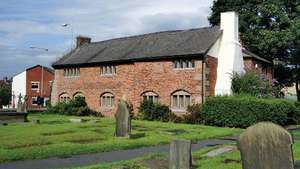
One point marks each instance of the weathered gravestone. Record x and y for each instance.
(266, 146)
(123, 121)
(24, 106)
(19, 104)
(180, 154)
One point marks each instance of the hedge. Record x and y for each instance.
(233, 111)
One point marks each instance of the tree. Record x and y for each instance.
(5, 93)
(270, 28)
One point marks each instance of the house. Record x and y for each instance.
(176, 68)
(35, 82)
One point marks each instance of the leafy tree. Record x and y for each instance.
(270, 28)
(5, 93)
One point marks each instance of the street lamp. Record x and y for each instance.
(34, 47)
(65, 25)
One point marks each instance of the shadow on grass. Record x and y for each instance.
(137, 135)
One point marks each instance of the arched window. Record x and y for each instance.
(150, 96)
(64, 97)
(180, 100)
(79, 94)
(107, 100)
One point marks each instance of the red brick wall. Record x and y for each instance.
(131, 80)
(262, 67)
(212, 64)
(35, 74)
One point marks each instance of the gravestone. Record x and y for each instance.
(19, 104)
(266, 146)
(180, 154)
(123, 120)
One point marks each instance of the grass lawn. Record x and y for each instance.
(56, 136)
(229, 160)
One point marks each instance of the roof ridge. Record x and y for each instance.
(152, 33)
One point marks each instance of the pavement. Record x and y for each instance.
(104, 157)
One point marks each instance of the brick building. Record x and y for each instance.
(34, 82)
(176, 68)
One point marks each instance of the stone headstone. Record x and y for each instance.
(19, 104)
(123, 120)
(180, 154)
(266, 146)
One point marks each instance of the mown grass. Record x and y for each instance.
(56, 136)
(229, 160)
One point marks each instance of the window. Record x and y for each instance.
(184, 64)
(34, 100)
(35, 85)
(72, 72)
(64, 97)
(108, 70)
(150, 96)
(180, 100)
(79, 94)
(107, 100)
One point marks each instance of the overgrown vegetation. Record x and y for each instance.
(149, 110)
(5, 93)
(234, 111)
(254, 84)
(76, 107)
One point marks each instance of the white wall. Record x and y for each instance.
(228, 50)
(18, 87)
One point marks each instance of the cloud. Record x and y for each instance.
(27, 23)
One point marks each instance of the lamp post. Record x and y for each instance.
(65, 25)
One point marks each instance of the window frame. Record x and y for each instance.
(38, 84)
(64, 97)
(108, 70)
(184, 64)
(105, 98)
(150, 94)
(72, 72)
(180, 100)
(32, 98)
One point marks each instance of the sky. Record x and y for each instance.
(38, 23)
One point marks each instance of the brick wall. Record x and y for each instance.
(262, 67)
(132, 80)
(36, 75)
(212, 64)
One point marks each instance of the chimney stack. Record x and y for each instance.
(230, 58)
(81, 40)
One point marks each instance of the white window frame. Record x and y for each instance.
(64, 98)
(105, 98)
(38, 84)
(184, 64)
(108, 70)
(72, 72)
(150, 94)
(181, 106)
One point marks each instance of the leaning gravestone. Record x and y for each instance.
(180, 154)
(123, 123)
(266, 146)
(19, 104)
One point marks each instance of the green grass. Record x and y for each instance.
(56, 136)
(229, 160)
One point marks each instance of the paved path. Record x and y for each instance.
(96, 158)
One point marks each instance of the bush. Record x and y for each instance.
(253, 84)
(233, 111)
(194, 115)
(77, 107)
(149, 110)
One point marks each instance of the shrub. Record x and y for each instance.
(254, 84)
(149, 110)
(194, 115)
(77, 107)
(233, 111)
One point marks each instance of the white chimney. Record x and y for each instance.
(229, 53)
